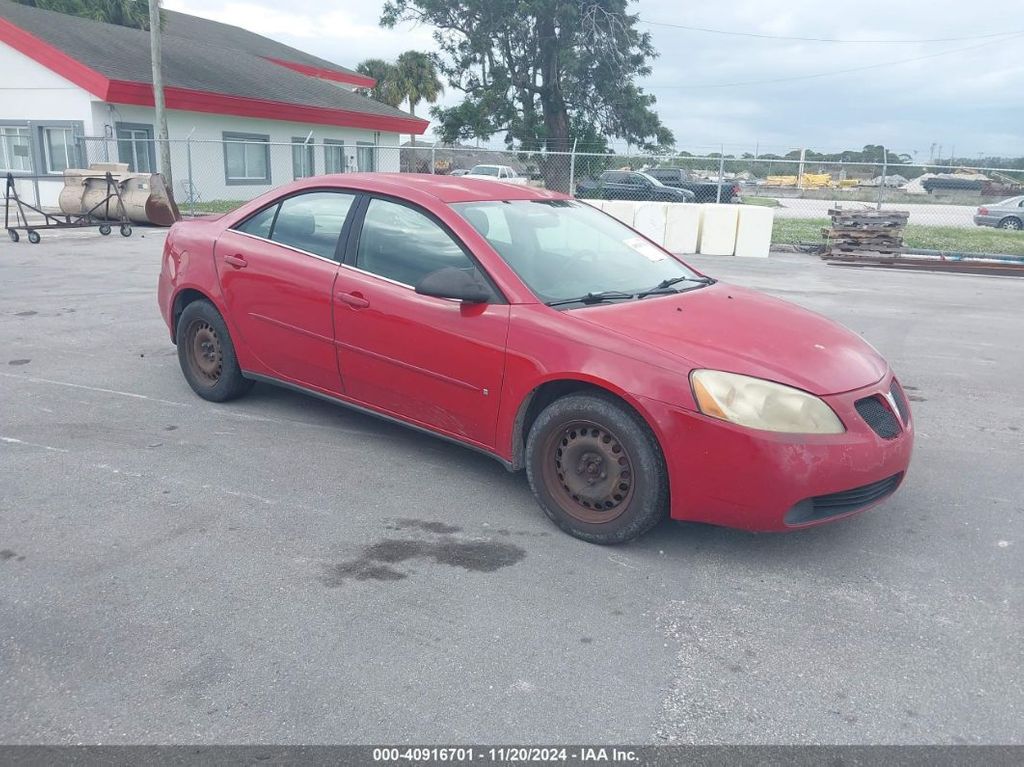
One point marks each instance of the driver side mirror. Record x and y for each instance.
(449, 282)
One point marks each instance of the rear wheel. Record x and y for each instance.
(33, 236)
(126, 230)
(207, 356)
(596, 469)
(13, 234)
(104, 229)
(1011, 222)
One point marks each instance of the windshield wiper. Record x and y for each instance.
(665, 286)
(594, 298)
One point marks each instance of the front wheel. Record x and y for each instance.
(207, 356)
(596, 469)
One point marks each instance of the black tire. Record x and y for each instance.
(33, 236)
(126, 230)
(207, 355)
(13, 235)
(104, 229)
(596, 469)
(1011, 222)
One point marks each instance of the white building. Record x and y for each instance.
(257, 113)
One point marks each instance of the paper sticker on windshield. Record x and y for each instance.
(646, 249)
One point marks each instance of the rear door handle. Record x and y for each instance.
(236, 261)
(354, 300)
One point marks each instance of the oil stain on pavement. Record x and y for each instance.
(377, 561)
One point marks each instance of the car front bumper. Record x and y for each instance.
(762, 481)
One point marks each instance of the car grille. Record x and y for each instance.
(901, 402)
(879, 417)
(834, 504)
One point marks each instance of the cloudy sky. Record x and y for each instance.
(960, 89)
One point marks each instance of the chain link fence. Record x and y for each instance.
(951, 208)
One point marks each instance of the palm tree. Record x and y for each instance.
(387, 89)
(127, 13)
(418, 79)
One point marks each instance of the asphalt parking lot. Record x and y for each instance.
(282, 570)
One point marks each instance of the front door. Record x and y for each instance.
(277, 271)
(434, 361)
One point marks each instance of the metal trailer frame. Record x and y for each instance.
(63, 221)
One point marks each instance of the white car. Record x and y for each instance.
(496, 173)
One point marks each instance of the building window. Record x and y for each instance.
(135, 146)
(58, 149)
(302, 158)
(334, 156)
(365, 156)
(15, 149)
(246, 158)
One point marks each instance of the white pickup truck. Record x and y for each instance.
(496, 173)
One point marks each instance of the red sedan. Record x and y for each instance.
(548, 335)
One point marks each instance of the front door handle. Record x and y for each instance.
(355, 300)
(236, 261)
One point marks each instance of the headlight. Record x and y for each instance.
(760, 404)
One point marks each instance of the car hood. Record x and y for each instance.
(725, 327)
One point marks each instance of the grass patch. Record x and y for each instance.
(212, 206)
(980, 239)
(765, 202)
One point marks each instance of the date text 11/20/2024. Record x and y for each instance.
(504, 754)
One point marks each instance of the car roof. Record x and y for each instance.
(444, 188)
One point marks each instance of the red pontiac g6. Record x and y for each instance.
(548, 335)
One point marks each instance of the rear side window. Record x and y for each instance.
(259, 225)
(404, 245)
(313, 222)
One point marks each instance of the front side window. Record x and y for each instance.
(312, 222)
(58, 149)
(15, 149)
(246, 158)
(302, 158)
(404, 245)
(563, 249)
(334, 156)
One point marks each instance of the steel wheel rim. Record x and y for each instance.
(205, 352)
(588, 472)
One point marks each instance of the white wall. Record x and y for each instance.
(32, 96)
(207, 149)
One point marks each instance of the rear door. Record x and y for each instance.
(277, 271)
(433, 361)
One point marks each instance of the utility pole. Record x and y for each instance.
(158, 92)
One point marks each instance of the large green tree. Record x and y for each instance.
(127, 13)
(539, 72)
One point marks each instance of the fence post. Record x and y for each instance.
(721, 173)
(191, 186)
(885, 168)
(572, 169)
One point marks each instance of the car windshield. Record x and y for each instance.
(564, 249)
(485, 170)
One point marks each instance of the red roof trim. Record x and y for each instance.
(360, 81)
(141, 94)
(52, 58)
